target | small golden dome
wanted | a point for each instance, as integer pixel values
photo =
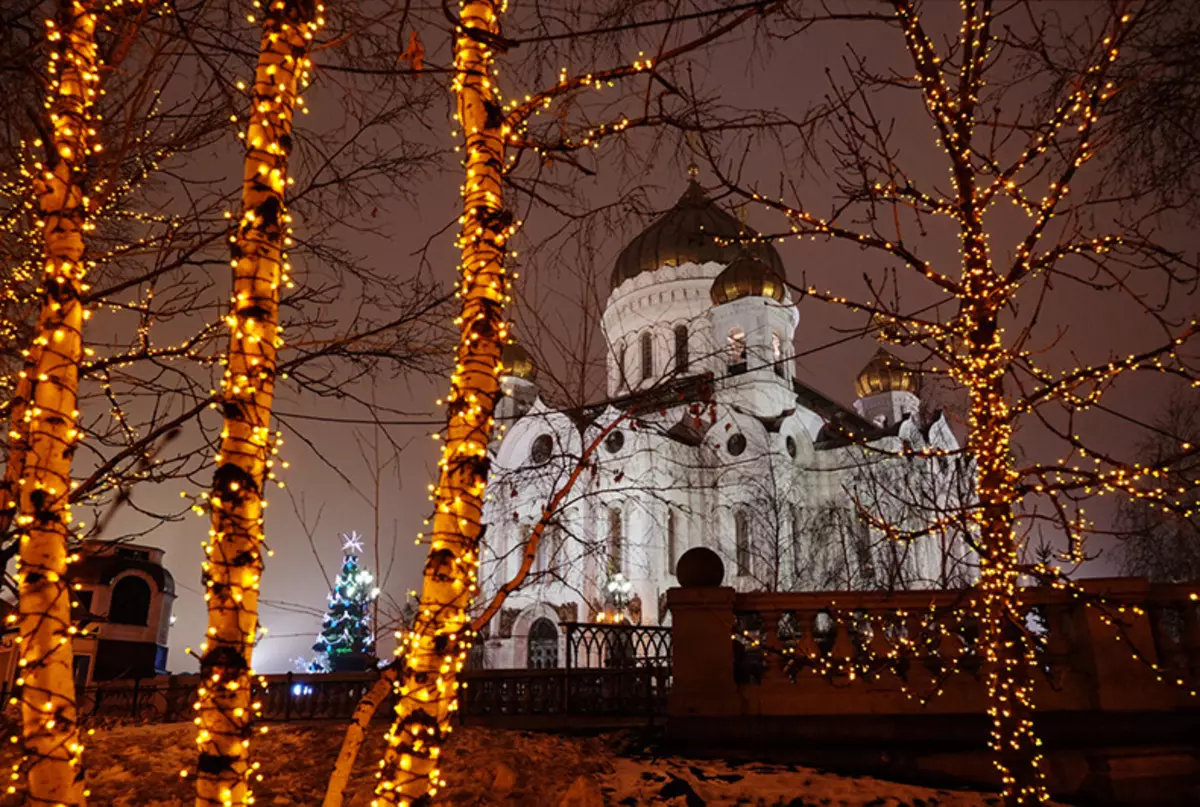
(518, 363)
(747, 276)
(886, 373)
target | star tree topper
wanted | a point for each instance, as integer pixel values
(352, 543)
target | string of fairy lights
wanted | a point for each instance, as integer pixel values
(43, 416)
(248, 446)
(977, 359)
(52, 190)
(434, 650)
(226, 705)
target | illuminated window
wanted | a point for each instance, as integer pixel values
(777, 353)
(647, 355)
(681, 348)
(737, 346)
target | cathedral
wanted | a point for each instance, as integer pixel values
(707, 438)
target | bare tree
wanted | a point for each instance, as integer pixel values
(235, 552)
(496, 137)
(986, 316)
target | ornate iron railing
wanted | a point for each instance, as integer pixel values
(611, 671)
(605, 646)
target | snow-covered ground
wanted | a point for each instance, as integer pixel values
(130, 766)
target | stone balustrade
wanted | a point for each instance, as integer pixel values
(1111, 644)
(894, 681)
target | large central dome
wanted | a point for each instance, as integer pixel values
(689, 233)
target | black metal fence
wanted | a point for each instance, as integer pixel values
(607, 646)
(169, 699)
(611, 672)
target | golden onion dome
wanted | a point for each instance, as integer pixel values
(695, 230)
(747, 276)
(886, 373)
(518, 363)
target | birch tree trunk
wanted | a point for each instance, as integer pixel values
(43, 430)
(434, 651)
(234, 563)
(356, 732)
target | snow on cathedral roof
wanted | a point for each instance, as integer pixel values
(689, 233)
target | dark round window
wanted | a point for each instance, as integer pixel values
(614, 442)
(791, 446)
(736, 444)
(542, 448)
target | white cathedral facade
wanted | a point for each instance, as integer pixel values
(707, 438)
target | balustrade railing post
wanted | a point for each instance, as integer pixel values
(1191, 639)
(1121, 681)
(702, 622)
(287, 697)
(772, 647)
(569, 652)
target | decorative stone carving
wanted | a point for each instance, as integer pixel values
(567, 612)
(700, 567)
(635, 610)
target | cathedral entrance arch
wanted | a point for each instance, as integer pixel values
(542, 653)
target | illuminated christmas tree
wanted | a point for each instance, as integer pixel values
(346, 642)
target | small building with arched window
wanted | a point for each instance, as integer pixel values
(121, 595)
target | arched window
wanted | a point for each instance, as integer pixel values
(777, 353)
(797, 551)
(544, 551)
(555, 540)
(672, 542)
(130, 602)
(647, 355)
(737, 346)
(741, 532)
(681, 348)
(622, 371)
(615, 542)
(860, 533)
(542, 653)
